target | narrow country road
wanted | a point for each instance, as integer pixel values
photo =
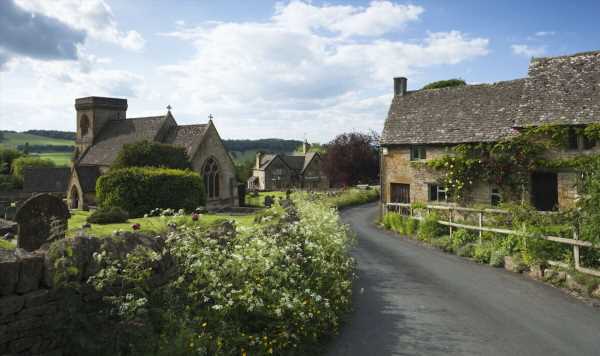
(421, 301)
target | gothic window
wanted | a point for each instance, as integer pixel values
(84, 125)
(211, 178)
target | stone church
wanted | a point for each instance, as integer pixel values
(103, 128)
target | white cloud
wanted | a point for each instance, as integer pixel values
(307, 70)
(93, 16)
(378, 18)
(528, 51)
(545, 33)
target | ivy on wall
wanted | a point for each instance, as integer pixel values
(508, 163)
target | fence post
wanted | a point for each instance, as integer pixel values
(576, 249)
(451, 222)
(480, 225)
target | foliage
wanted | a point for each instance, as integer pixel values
(8, 182)
(443, 243)
(18, 165)
(467, 250)
(445, 84)
(108, 215)
(45, 148)
(460, 238)
(430, 229)
(352, 158)
(268, 144)
(62, 135)
(139, 190)
(483, 252)
(400, 224)
(152, 154)
(347, 197)
(588, 207)
(7, 156)
(273, 288)
(243, 170)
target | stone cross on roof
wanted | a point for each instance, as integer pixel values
(169, 107)
(210, 116)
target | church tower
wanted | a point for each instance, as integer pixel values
(93, 113)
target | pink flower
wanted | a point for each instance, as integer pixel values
(195, 216)
(136, 226)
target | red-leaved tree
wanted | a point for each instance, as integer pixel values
(352, 158)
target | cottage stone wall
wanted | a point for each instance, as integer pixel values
(397, 168)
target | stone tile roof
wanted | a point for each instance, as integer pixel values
(559, 90)
(116, 133)
(296, 162)
(562, 90)
(87, 177)
(186, 136)
(266, 159)
(46, 179)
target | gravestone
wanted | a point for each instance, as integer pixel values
(41, 218)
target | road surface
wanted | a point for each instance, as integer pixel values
(421, 301)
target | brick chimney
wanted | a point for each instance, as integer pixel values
(400, 86)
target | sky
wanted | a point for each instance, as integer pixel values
(285, 69)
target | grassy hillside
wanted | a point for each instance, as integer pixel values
(13, 139)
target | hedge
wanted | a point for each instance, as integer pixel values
(152, 154)
(138, 190)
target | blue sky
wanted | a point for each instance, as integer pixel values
(290, 69)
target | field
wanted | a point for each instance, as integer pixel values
(12, 140)
(59, 158)
(151, 225)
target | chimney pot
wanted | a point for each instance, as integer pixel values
(400, 85)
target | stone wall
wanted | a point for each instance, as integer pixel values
(28, 306)
(34, 318)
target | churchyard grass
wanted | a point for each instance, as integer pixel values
(7, 245)
(259, 200)
(151, 225)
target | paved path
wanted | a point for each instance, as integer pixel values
(421, 301)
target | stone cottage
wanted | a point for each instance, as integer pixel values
(103, 129)
(426, 124)
(281, 171)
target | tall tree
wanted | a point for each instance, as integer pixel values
(352, 158)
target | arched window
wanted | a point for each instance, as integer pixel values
(84, 125)
(211, 178)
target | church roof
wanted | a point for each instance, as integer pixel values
(558, 90)
(116, 133)
(186, 136)
(46, 179)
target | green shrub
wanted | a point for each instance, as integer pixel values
(353, 197)
(8, 182)
(442, 243)
(139, 190)
(497, 257)
(152, 154)
(460, 238)
(7, 156)
(467, 250)
(108, 215)
(429, 228)
(19, 165)
(483, 252)
(400, 224)
(445, 84)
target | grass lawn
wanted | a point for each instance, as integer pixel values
(12, 140)
(155, 224)
(259, 200)
(61, 159)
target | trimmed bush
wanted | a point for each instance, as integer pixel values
(139, 190)
(152, 154)
(109, 215)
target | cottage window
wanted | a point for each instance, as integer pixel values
(417, 153)
(495, 197)
(438, 193)
(211, 178)
(399, 193)
(572, 140)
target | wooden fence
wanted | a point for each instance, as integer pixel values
(409, 211)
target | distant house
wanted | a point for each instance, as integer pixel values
(281, 171)
(46, 180)
(103, 129)
(424, 124)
